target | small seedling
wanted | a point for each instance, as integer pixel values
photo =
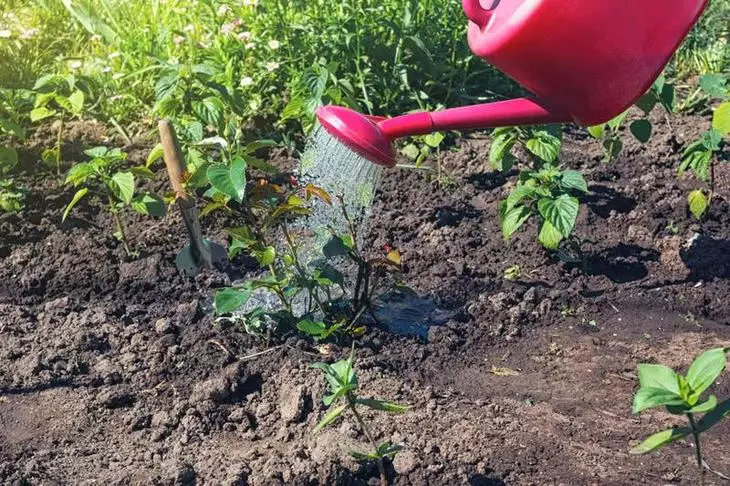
(681, 395)
(343, 385)
(104, 178)
(57, 97)
(513, 273)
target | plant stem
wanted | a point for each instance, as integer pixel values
(712, 183)
(120, 228)
(369, 436)
(698, 450)
(59, 145)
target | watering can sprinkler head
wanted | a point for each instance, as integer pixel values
(585, 61)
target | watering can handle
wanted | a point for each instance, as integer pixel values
(476, 13)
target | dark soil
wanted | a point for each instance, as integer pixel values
(113, 371)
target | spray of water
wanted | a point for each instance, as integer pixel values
(331, 165)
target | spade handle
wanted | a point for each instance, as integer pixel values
(175, 164)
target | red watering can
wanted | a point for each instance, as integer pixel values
(586, 61)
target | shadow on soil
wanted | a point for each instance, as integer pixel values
(707, 258)
(603, 200)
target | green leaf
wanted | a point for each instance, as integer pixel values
(613, 147)
(658, 376)
(550, 237)
(434, 140)
(615, 123)
(41, 113)
(143, 172)
(698, 203)
(561, 212)
(123, 186)
(649, 397)
(266, 256)
(715, 416)
(500, 156)
(661, 439)
(512, 220)
(707, 406)
(597, 131)
(8, 159)
(77, 197)
(312, 328)
(519, 194)
(545, 146)
(573, 180)
(230, 299)
(79, 173)
(330, 417)
(210, 111)
(97, 152)
(641, 129)
(411, 151)
(647, 102)
(711, 140)
(705, 370)
(76, 101)
(229, 181)
(149, 205)
(335, 247)
(363, 456)
(721, 119)
(155, 154)
(382, 405)
(714, 85)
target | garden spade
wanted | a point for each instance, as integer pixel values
(200, 254)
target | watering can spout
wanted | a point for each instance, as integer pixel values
(372, 137)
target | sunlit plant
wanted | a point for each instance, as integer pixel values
(660, 386)
(342, 398)
(106, 178)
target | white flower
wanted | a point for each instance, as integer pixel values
(189, 28)
(106, 70)
(244, 36)
(76, 64)
(178, 39)
(115, 55)
(274, 44)
(5, 34)
(227, 28)
(272, 66)
(250, 3)
(250, 45)
(222, 10)
(95, 38)
(28, 33)
(246, 81)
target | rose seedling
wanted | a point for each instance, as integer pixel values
(342, 398)
(104, 177)
(660, 386)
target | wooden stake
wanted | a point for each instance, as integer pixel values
(175, 164)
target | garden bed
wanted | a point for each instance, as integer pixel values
(113, 371)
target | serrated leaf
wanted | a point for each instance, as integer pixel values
(210, 111)
(711, 140)
(545, 146)
(698, 203)
(230, 299)
(561, 212)
(641, 130)
(573, 180)
(658, 440)
(149, 205)
(658, 376)
(143, 172)
(500, 151)
(512, 220)
(96, 152)
(79, 173)
(229, 181)
(549, 236)
(411, 151)
(124, 186)
(706, 369)
(266, 256)
(433, 140)
(77, 197)
(721, 119)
